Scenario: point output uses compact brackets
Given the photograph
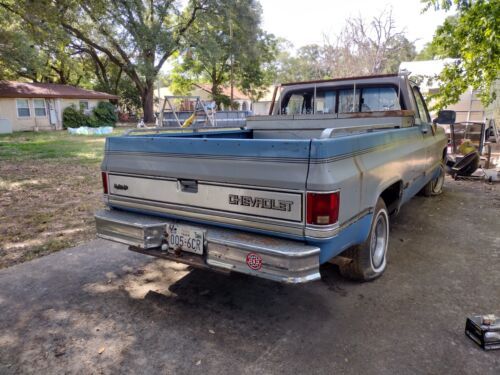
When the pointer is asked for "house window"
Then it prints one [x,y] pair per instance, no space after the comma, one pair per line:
[84,105]
[40,109]
[23,108]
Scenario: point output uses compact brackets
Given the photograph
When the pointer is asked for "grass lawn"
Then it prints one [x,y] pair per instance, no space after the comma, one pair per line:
[49,189]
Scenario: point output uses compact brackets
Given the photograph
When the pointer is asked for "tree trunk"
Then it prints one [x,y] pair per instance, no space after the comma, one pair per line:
[215,90]
[147,104]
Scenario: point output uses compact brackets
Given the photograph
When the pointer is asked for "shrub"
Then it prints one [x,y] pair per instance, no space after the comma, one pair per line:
[73,117]
[102,115]
[105,114]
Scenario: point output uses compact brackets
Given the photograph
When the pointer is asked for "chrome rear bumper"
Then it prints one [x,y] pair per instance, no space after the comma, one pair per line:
[226,249]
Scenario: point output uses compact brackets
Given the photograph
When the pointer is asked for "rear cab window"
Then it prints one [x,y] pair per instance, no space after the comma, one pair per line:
[340,100]
[326,101]
[375,99]
[298,103]
[348,101]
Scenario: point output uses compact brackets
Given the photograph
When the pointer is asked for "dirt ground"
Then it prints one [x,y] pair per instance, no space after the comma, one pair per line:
[46,207]
[50,188]
[101,309]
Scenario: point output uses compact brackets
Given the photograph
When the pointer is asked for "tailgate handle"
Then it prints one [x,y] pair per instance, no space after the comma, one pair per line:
[187,186]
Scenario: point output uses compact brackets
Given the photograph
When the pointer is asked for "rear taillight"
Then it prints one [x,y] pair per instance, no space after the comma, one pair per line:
[104,182]
[322,208]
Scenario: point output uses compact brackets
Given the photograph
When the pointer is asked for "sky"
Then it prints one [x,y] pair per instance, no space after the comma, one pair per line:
[306,21]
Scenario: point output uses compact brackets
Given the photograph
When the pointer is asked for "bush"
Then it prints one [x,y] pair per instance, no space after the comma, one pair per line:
[73,117]
[105,114]
[102,115]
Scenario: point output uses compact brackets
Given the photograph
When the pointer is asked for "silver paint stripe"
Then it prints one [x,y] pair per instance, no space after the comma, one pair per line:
[385,146]
[316,233]
[266,226]
[207,215]
[211,197]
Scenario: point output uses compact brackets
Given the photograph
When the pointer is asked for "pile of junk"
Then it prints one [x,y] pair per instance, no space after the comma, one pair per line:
[473,148]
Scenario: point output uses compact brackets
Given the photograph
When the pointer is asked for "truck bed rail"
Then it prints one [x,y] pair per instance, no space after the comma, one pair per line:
[331,132]
[174,130]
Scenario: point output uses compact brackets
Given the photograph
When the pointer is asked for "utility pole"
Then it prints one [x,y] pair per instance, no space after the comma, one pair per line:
[232,62]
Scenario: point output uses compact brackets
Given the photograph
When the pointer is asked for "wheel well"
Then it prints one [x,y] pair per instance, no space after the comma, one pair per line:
[392,196]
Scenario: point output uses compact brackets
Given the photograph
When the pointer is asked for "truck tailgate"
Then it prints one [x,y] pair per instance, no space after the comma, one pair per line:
[254,183]
[255,162]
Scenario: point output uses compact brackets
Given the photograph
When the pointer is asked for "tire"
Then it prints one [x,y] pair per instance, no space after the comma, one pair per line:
[369,260]
[435,186]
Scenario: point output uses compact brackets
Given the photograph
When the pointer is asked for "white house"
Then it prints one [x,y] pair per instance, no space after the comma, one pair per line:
[468,108]
[39,106]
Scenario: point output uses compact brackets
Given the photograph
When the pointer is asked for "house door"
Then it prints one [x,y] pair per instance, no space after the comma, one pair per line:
[52,112]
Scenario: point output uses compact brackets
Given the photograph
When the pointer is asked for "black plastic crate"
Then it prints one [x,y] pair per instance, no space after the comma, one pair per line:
[487,336]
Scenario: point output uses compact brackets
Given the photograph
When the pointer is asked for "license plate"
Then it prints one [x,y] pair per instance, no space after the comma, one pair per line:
[186,238]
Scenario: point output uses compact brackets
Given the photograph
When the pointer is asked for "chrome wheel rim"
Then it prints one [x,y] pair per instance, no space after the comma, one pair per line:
[378,243]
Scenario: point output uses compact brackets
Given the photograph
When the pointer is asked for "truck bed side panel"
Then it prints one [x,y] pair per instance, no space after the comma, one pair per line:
[361,166]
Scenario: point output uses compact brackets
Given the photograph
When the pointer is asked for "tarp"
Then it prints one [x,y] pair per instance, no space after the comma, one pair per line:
[85,130]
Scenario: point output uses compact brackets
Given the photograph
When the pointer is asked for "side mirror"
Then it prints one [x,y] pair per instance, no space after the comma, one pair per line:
[445,117]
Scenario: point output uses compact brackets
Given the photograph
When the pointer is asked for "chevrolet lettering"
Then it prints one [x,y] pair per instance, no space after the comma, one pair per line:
[267,203]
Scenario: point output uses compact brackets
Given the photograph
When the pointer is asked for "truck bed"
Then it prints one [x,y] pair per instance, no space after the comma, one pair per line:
[195,175]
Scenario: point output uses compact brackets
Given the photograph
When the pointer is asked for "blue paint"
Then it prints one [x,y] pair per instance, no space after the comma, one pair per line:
[354,234]
[241,144]
[417,185]
[435,173]
[213,147]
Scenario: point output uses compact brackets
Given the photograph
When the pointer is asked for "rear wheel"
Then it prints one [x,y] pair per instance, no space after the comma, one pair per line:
[369,260]
[435,186]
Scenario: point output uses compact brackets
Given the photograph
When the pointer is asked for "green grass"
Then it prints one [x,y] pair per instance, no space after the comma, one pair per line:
[25,146]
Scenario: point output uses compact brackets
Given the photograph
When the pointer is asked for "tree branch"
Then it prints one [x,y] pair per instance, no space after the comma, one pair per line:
[182,31]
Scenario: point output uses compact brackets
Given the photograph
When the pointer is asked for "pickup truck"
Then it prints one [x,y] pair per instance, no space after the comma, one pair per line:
[314,181]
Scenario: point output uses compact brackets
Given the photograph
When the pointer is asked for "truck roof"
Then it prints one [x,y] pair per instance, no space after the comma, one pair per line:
[339,79]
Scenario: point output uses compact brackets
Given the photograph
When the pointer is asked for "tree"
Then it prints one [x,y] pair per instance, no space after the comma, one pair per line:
[226,40]
[38,57]
[472,36]
[429,52]
[136,36]
[367,48]
[361,48]
[306,64]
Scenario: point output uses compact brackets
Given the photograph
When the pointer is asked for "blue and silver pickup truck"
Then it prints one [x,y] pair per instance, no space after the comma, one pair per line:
[314,181]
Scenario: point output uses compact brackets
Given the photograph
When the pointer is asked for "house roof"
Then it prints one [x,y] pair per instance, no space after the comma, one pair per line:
[237,94]
[13,89]
[427,68]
